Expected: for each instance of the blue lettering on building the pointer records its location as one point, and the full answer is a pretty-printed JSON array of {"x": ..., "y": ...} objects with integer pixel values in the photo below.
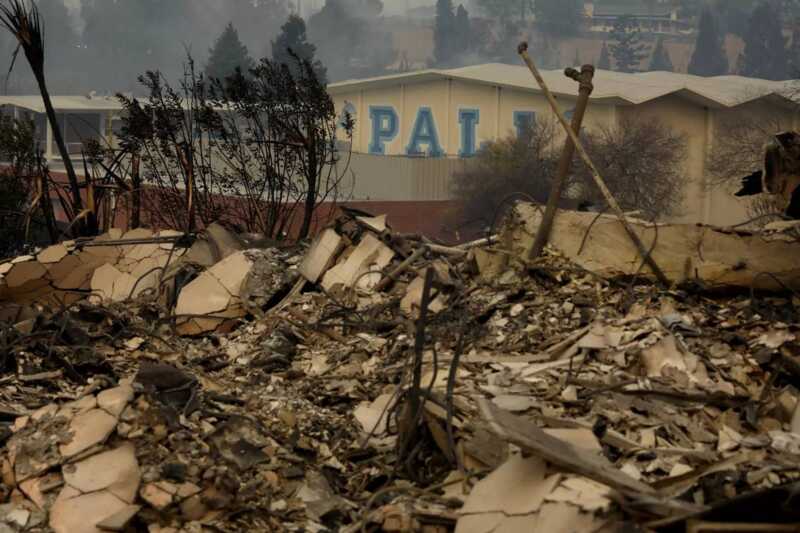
[
  {"x": 469, "y": 120},
  {"x": 424, "y": 133},
  {"x": 524, "y": 121},
  {"x": 384, "y": 128}
]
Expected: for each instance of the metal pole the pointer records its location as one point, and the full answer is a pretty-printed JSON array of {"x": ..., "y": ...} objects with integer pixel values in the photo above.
[
  {"x": 612, "y": 202},
  {"x": 584, "y": 77}
]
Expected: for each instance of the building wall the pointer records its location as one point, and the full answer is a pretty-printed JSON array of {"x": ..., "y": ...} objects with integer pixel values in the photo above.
[{"x": 495, "y": 113}]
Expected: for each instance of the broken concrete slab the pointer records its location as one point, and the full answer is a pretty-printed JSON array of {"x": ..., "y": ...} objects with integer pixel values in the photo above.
[
  {"x": 103, "y": 281},
  {"x": 113, "y": 401},
  {"x": 518, "y": 486},
  {"x": 116, "y": 471},
  {"x": 156, "y": 496},
  {"x": 52, "y": 254},
  {"x": 83, "y": 513},
  {"x": 25, "y": 272},
  {"x": 322, "y": 254},
  {"x": 371, "y": 255},
  {"x": 714, "y": 256},
  {"x": 223, "y": 242},
  {"x": 86, "y": 430},
  {"x": 119, "y": 520}
]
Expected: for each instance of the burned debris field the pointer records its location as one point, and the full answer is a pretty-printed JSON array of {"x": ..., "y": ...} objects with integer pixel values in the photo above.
[
  {"x": 367, "y": 268},
  {"x": 375, "y": 381}
]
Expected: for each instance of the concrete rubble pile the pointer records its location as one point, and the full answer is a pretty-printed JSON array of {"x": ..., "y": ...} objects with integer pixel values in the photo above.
[{"x": 376, "y": 381}]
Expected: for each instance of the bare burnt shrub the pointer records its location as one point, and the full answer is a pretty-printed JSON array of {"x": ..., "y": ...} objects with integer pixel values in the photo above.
[
  {"x": 640, "y": 161},
  {"x": 257, "y": 150}
]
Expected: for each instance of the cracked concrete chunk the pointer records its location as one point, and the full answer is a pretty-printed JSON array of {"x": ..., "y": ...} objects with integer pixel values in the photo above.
[
  {"x": 103, "y": 279},
  {"x": 223, "y": 242},
  {"x": 22, "y": 273},
  {"x": 204, "y": 295},
  {"x": 518, "y": 486},
  {"x": 81, "y": 405},
  {"x": 720, "y": 256},
  {"x": 52, "y": 254},
  {"x": 156, "y": 496},
  {"x": 125, "y": 287},
  {"x": 232, "y": 271},
  {"x": 116, "y": 471},
  {"x": 119, "y": 520},
  {"x": 201, "y": 253},
  {"x": 22, "y": 259},
  {"x": 35, "y": 488},
  {"x": 186, "y": 490},
  {"x": 88, "y": 429},
  {"x": 215, "y": 291},
  {"x": 370, "y": 254},
  {"x": 82, "y": 514},
  {"x": 321, "y": 255},
  {"x": 114, "y": 401}
]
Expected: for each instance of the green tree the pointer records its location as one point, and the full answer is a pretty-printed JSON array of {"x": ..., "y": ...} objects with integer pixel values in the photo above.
[
  {"x": 764, "y": 55},
  {"x": 350, "y": 39},
  {"x": 708, "y": 58},
  {"x": 293, "y": 37},
  {"x": 444, "y": 33},
  {"x": 629, "y": 51},
  {"x": 604, "y": 61},
  {"x": 227, "y": 55},
  {"x": 559, "y": 17},
  {"x": 463, "y": 31},
  {"x": 660, "y": 59}
]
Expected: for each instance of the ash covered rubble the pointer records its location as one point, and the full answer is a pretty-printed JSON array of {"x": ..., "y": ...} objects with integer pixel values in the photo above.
[{"x": 375, "y": 381}]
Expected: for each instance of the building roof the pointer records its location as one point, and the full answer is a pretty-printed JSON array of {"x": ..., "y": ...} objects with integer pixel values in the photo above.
[
  {"x": 609, "y": 87},
  {"x": 64, "y": 103}
]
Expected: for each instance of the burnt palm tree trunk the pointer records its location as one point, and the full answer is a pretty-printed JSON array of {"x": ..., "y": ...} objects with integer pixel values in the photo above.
[
  {"x": 24, "y": 23},
  {"x": 58, "y": 138}
]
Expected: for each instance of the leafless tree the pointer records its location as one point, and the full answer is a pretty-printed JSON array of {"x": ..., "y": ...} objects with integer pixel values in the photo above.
[
  {"x": 256, "y": 150},
  {"x": 513, "y": 168},
  {"x": 738, "y": 147},
  {"x": 641, "y": 161}
]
